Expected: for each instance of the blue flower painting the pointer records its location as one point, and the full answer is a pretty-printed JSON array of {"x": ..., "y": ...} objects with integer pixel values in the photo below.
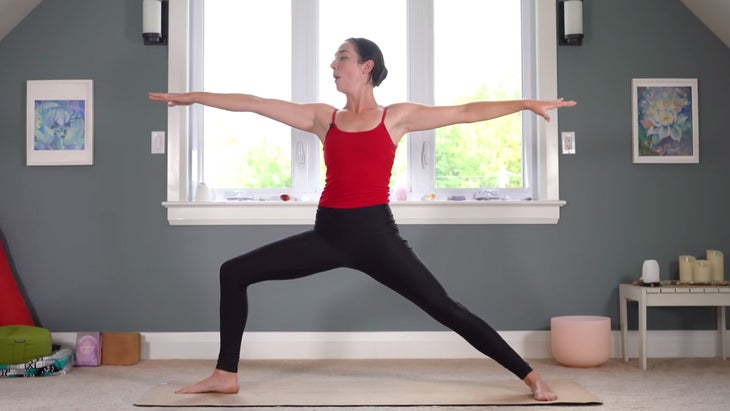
[
  {"x": 665, "y": 121},
  {"x": 60, "y": 125}
]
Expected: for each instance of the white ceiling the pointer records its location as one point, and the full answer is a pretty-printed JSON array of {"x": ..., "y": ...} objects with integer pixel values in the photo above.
[{"x": 714, "y": 13}]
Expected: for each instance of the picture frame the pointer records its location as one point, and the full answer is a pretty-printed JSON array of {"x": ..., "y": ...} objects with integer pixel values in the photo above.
[
  {"x": 60, "y": 122},
  {"x": 665, "y": 120}
]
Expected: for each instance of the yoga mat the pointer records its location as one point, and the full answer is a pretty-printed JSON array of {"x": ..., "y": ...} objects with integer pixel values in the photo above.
[{"x": 358, "y": 390}]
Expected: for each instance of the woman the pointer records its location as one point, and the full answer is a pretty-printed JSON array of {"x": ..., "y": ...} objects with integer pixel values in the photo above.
[{"x": 354, "y": 227}]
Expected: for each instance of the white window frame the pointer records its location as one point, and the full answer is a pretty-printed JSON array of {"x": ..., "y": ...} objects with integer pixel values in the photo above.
[{"x": 181, "y": 211}]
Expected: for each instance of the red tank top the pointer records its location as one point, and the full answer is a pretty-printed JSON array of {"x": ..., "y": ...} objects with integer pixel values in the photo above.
[{"x": 358, "y": 164}]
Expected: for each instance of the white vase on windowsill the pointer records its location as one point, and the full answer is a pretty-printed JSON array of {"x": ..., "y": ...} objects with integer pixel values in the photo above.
[{"x": 202, "y": 193}]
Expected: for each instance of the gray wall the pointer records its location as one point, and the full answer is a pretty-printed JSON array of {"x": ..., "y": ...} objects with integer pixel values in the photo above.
[{"x": 93, "y": 250}]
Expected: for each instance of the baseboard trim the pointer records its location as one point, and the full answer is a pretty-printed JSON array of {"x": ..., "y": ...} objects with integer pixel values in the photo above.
[{"x": 388, "y": 345}]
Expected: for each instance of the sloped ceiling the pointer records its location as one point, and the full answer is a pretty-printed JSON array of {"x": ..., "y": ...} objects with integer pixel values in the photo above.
[
  {"x": 715, "y": 14},
  {"x": 13, "y": 12}
]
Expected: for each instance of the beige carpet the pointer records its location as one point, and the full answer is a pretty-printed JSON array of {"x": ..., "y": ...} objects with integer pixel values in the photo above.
[
  {"x": 351, "y": 387},
  {"x": 677, "y": 384}
]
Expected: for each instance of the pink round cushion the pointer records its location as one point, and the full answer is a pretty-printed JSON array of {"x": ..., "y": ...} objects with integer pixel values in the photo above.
[{"x": 580, "y": 340}]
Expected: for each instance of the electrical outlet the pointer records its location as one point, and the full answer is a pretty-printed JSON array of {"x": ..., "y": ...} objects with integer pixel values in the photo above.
[
  {"x": 158, "y": 142},
  {"x": 568, "y": 138}
]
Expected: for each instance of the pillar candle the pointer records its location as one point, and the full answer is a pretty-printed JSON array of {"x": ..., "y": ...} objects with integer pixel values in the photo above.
[
  {"x": 716, "y": 265},
  {"x": 686, "y": 263},
  {"x": 702, "y": 272}
]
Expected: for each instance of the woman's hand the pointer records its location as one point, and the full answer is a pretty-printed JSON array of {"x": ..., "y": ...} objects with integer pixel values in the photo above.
[
  {"x": 540, "y": 107},
  {"x": 173, "y": 99}
]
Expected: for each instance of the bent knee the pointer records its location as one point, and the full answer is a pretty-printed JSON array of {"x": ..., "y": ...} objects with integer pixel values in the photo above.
[{"x": 229, "y": 273}]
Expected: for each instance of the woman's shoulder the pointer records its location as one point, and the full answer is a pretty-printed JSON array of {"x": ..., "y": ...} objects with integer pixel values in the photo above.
[
  {"x": 320, "y": 115},
  {"x": 322, "y": 108},
  {"x": 403, "y": 108},
  {"x": 323, "y": 111},
  {"x": 400, "y": 112}
]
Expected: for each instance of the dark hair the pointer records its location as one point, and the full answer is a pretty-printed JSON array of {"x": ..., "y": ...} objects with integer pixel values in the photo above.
[{"x": 368, "y": 50}]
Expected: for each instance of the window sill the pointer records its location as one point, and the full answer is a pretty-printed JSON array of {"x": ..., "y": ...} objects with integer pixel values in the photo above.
[{"x": 415, "y": 212}]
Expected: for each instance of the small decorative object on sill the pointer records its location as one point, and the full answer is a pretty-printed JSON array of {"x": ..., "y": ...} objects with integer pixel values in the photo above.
[
  {"x": 486, "y": 195},
  {"x": 239, "y": 197},
  {"x": 401, "y": 193},
  {"x": 202, "y": 194},
  {"x": 429, "y": 197},
  {"x": 457, "y": 198},
  {"x": 285, "y": 197}
]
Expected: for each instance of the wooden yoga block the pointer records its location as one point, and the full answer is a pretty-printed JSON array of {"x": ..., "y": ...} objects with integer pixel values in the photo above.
[{"x": 120, "y": 348}]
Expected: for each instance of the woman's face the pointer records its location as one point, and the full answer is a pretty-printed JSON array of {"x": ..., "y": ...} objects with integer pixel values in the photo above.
[{"x": 346, "y": 70}]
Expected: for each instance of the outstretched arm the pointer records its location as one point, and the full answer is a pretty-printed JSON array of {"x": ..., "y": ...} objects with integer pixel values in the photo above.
[
  {"x": 308, "y": 117},
  {"x": 415, "y": 117}
]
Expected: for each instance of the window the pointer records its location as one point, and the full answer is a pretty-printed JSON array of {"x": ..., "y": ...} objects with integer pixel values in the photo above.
[
  {"x": 478, "y": 55},
  {"x": 433, "y": 57},
  {"x": 231, "y": 144}
]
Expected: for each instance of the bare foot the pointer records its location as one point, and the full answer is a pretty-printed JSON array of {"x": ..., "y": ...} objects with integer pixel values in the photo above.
[
  {"x": 220, "y": 381},
  {"x": 540, "y": 390}
]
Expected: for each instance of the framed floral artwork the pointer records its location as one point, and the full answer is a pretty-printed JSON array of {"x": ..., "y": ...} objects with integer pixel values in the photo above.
[
  {"x": 665, "y": 121},
  {"x": 59, "y": 122}
]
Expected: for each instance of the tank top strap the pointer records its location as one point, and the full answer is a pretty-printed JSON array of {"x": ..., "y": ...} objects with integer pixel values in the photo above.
[
  {"x": 332, "y": 123},
  {"x": 385, "y": 110}
]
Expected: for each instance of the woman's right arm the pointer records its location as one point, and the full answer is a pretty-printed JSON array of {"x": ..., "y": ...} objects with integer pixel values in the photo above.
[{"x": 313, "y": 118}]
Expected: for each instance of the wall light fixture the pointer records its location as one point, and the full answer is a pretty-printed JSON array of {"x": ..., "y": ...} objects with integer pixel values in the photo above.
[
  {"x": 154, "y": 22},
  {"x": 570, "y": 22}
]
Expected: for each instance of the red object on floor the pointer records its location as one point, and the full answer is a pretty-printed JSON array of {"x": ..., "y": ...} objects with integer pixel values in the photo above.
[{"x": 13, "y": 309}]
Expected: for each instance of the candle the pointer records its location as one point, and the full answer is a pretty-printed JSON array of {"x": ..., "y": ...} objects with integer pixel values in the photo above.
[
  {"x": 686, "y": 262},
  {"x": 702, "y": 272},
  {"x": 716, "y": 265}
]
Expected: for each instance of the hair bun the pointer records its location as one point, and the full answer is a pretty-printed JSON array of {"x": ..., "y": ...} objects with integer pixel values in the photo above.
[{"x": 382, "y": 76}]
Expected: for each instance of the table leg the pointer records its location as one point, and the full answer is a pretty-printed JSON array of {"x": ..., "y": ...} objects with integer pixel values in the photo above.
[
  {"x": 642, "y": 331},
  {"x": 721, "y": 330},
  {"x": 624, "y": 325}
]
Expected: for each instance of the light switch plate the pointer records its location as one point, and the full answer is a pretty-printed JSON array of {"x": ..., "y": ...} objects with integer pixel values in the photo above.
[
  {"x": 568, "y": 139},
  {"x": 158, "y": 142}
]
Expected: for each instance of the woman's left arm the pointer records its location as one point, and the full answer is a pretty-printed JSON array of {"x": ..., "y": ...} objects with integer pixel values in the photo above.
[{"x": 409, "y": 117}]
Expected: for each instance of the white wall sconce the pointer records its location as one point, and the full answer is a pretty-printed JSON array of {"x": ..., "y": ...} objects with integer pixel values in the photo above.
[
  {"x": 154, "y": 22},
  {"x": 570, "y": 22}
]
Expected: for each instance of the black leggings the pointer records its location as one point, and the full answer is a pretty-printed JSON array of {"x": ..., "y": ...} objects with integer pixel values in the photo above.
[{"x": 365, "y": 239}]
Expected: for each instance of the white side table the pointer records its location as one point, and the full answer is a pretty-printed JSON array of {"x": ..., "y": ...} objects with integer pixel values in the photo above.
[{"x": 669, "y": 295}]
